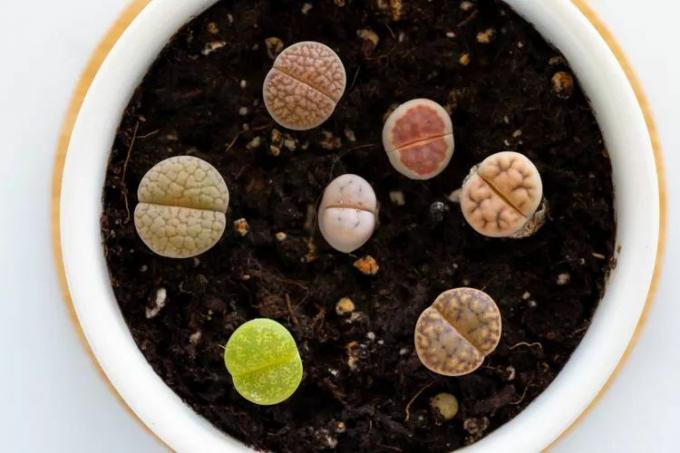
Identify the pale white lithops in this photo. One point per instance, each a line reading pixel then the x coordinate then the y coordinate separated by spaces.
pixel 347 213
pixel 418 139
pixel 304 85
pixel 503 196
pixel 456 333
pixel 182 206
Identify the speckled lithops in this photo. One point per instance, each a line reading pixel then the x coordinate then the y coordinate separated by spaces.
pixel 503 196
pixel 304 86
pixel 456 333
pixel 347 213
pixel 182 206
pixel 418 139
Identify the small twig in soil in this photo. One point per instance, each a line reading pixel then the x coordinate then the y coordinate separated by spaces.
pixel 468 19
pixel 319 317
pixel 528 345
pixel 412 400
pixel 150 134
pixel 391 31
pixel 524 394
pixel 354 79
pixel 232 143
pixel 292 313
pixel 261 128
pixel 125 165
pixel 343 154
pixel 389 447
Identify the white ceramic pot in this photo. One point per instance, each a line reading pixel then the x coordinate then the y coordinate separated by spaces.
pixel 637 211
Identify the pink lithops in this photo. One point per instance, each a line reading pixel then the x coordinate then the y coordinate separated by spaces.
pixel 347 213
pixel 503 196
pixel 304 86
pixel 456 333
pixel 418 139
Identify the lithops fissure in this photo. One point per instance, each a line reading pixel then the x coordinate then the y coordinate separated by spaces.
pixel 503 196
pixel 182 206
pixel 304 86
pixel 347 213
pixel 456 333
pixel 418 139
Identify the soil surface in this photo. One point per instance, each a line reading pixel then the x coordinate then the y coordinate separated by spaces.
pixel 363 387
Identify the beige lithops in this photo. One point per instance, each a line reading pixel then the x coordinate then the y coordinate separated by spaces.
pixel 304 86
pixel 182 206
pixel 501 197
pixel 347 213
pixel 418 139
pixel 456 333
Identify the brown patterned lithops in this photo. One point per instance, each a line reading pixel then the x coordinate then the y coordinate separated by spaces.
pixel 456 333
pixel 304 86
pixel 503 196
pixel 182 206
pixel 347 213
pixel 418 139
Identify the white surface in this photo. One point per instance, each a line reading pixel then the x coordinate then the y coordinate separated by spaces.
pixel 50 384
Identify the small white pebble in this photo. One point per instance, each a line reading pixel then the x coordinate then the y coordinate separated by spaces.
pixel 526 295
pixel 466 6
pixel 401 37
pixel 243 111
pixel 159 303
pixel 370 336
pixel 230 18
pixel 517 133
pixel 403 351
pixel 599 256
pixel 281 236
pixel 212 46
pixel 254 143
pixel 511 372
pixel 333 371
pixel 397 197
pixel 520 44
pixel 450 34
pixel 144 268
pixel 563 279
pixel 454 197
pixel 350 135
pixel 195 337
pixel 532 304
pixel 306 8
pixel 243 84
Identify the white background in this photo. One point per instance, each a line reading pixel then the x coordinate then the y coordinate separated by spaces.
pixel 51 397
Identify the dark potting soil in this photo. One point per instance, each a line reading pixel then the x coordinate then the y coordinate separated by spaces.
pixel 363 387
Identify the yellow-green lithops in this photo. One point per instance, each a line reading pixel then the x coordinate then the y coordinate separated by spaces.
pixel 182 206
pixel 264 362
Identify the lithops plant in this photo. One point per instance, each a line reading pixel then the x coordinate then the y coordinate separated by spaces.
pixel 347 213
pixel 418 139
pixel 456 333
pixel 304 86
pixel 503 196
pixel 182 206
pixel 264 362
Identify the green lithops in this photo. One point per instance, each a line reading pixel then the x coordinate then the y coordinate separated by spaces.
pixel 264 362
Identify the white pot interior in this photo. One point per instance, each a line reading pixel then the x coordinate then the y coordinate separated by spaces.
pixel 637 210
